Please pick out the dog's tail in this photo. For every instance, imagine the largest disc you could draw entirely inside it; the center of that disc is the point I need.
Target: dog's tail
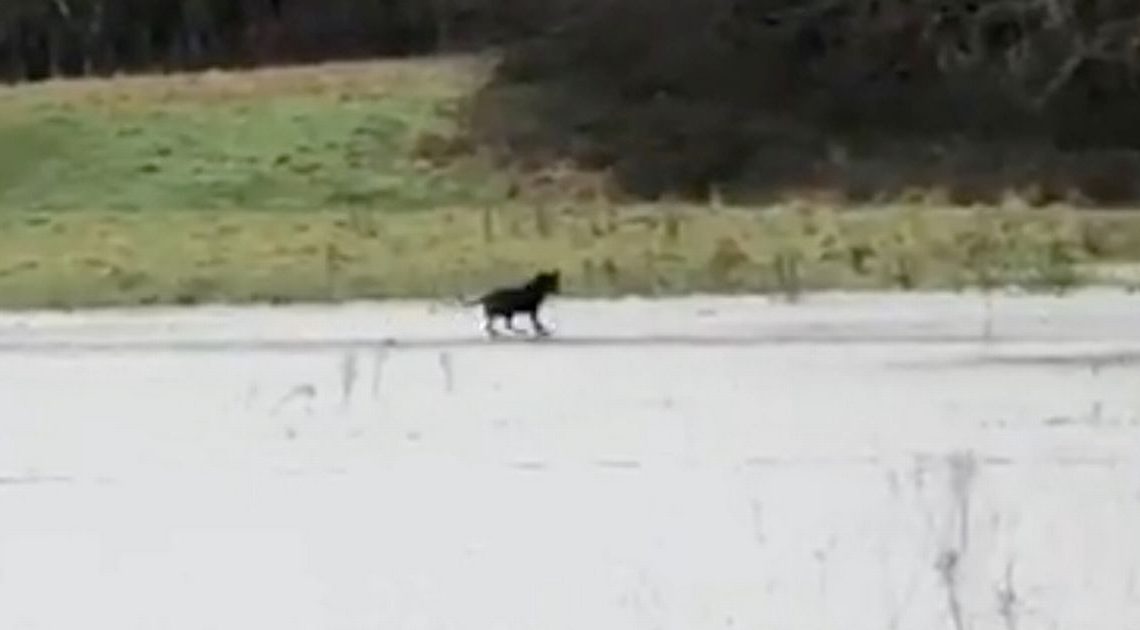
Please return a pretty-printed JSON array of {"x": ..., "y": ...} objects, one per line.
[{"x": 462, "y": 301}]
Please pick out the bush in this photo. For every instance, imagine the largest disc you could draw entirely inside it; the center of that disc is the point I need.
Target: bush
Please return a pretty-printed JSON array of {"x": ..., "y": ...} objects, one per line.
[{"x": 868, "y": 97}]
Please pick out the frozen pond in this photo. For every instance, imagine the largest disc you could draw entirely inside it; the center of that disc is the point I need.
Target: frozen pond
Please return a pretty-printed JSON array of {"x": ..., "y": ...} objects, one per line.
[{"x": 857, "y": 462}]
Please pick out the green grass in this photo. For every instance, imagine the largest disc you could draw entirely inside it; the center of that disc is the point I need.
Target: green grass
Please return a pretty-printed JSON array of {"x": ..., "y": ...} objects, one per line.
[
  {"x": 299, "y": 139},
  {"x": 343, "y": 181},
  {"x": 126, "y": 258}
]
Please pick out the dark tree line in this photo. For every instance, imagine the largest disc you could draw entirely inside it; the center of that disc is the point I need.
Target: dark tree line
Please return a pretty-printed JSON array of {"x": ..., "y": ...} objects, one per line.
[
  {"x": 46, "y": 38},
  {"x": 685, "y": 95}
]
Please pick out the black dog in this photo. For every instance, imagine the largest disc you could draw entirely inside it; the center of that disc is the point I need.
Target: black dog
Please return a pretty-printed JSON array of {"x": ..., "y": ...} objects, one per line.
[{"x": 508, "y": 301}]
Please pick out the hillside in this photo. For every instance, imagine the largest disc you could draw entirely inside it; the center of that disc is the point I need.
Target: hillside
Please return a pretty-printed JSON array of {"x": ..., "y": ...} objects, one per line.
[
  {"x": 286, "y": 139},
  {"x": 355, "y": 180}
]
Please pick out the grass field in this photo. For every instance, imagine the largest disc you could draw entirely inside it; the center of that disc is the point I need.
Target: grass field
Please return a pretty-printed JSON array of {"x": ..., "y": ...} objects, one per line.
[
  {"x": 100, "y": 258},
  {"x": 324, "y": 183},
  {"x": 295, "y": 139}
]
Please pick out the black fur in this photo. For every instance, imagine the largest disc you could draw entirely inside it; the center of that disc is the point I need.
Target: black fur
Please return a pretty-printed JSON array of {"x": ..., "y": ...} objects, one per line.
[{"x": 506, "y": 302}]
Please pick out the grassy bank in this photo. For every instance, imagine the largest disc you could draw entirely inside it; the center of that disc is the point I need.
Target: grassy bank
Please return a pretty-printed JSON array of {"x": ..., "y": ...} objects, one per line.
[
  {"x": 346, "y": 135},
  {"x": 126, "y": 258},
  {"x": 342, "y": 181}
]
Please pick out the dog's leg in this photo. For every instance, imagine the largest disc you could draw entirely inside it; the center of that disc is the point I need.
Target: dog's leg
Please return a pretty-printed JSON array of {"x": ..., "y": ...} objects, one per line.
[
  {"x": 489, "y": 326},
  {"x": 539, "y": 329},
  {"x": 511, "y": 325}
]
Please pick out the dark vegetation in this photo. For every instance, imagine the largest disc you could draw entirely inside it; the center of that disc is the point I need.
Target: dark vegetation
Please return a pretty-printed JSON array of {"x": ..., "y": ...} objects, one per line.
[
  {"x": 50, "y": 38},
  {"x": 742, "y": 99},
  {"x": 753, "y": 99}
]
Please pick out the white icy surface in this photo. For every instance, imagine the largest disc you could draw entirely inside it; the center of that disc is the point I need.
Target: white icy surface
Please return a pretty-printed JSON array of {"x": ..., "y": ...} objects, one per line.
[{"x": 851, "y": 462}]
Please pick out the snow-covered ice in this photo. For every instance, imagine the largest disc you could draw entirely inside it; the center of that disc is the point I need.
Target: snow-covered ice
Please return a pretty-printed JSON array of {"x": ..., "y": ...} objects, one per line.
[{"x": 857, "y": 462}]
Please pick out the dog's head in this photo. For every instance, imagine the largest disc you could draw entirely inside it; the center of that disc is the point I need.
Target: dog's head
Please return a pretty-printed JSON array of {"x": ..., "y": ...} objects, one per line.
[{"x": 548, "y": 281}]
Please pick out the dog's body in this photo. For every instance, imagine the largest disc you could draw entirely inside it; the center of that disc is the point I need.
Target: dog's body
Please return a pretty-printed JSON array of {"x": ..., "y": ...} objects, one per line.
[{"x": 507, "y": 302}]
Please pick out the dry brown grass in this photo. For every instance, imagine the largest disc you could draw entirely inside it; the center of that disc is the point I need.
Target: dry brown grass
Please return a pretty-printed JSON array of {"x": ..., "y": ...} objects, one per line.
[
  {"x": 441, "y": 77},
  {"x": 106, "y": 258}
]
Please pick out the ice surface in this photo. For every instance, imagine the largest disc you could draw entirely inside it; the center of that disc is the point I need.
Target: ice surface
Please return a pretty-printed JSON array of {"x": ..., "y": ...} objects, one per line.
[{"x": 852, "y": 462}]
